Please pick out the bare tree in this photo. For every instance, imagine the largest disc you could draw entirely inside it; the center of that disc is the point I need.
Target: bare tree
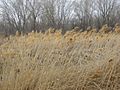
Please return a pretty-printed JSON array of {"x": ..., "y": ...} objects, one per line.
[
  {"x": 16, "y": 14},
  {"x": 84, "y": 11},
  {"x": 64, "y": 13},
  {"x": 28, "y": 15},
  {"x": 34, "y": 6},
  {"x": 105, "y": 8}
]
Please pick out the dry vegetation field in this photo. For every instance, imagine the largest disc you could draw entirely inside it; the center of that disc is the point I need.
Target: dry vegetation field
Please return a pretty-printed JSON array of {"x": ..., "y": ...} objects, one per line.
[{"x": 52, "y": 61}]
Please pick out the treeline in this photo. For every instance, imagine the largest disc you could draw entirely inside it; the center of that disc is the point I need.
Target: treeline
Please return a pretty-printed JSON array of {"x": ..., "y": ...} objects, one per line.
[{"x": 28, "y": 15}]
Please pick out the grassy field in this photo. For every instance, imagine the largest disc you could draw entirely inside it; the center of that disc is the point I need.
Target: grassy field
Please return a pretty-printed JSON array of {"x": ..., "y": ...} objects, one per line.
[{"x": 52, "y": 61}]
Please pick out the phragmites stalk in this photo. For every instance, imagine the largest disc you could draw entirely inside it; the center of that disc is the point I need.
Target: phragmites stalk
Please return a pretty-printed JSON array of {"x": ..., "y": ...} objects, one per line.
[{"x": 18, "y": 33}]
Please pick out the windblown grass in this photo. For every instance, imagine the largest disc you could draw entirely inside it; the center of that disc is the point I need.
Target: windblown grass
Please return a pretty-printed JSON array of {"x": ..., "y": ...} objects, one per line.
[{"x": 52, "y": 61}]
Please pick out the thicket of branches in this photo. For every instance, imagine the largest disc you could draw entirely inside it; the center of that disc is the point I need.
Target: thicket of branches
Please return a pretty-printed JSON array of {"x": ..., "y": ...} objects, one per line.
[{"x": 28, "y": 15}]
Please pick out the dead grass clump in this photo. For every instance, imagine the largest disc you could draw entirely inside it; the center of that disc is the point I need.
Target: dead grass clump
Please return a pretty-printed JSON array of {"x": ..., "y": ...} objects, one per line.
[
  {"x": 105, "y": 29},
  {"x": 69, "y": 33},
  {"x": 58, "y": 33},
  {"x": 94, "y": 30},
  {"x": 73, "y": 32},
  {"x": 117, "y": 28},
  {"x": 31, "y": 33},
  {"x": 50, "y": 31},
  {"x": 76, "y": 29},
  {"x": 71, "y": 36},
  {"x": 89, "y": 28}
]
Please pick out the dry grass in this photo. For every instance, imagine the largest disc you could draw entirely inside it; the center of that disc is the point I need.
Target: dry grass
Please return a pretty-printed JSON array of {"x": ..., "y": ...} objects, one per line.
[{"x": 52, "y": 61}]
